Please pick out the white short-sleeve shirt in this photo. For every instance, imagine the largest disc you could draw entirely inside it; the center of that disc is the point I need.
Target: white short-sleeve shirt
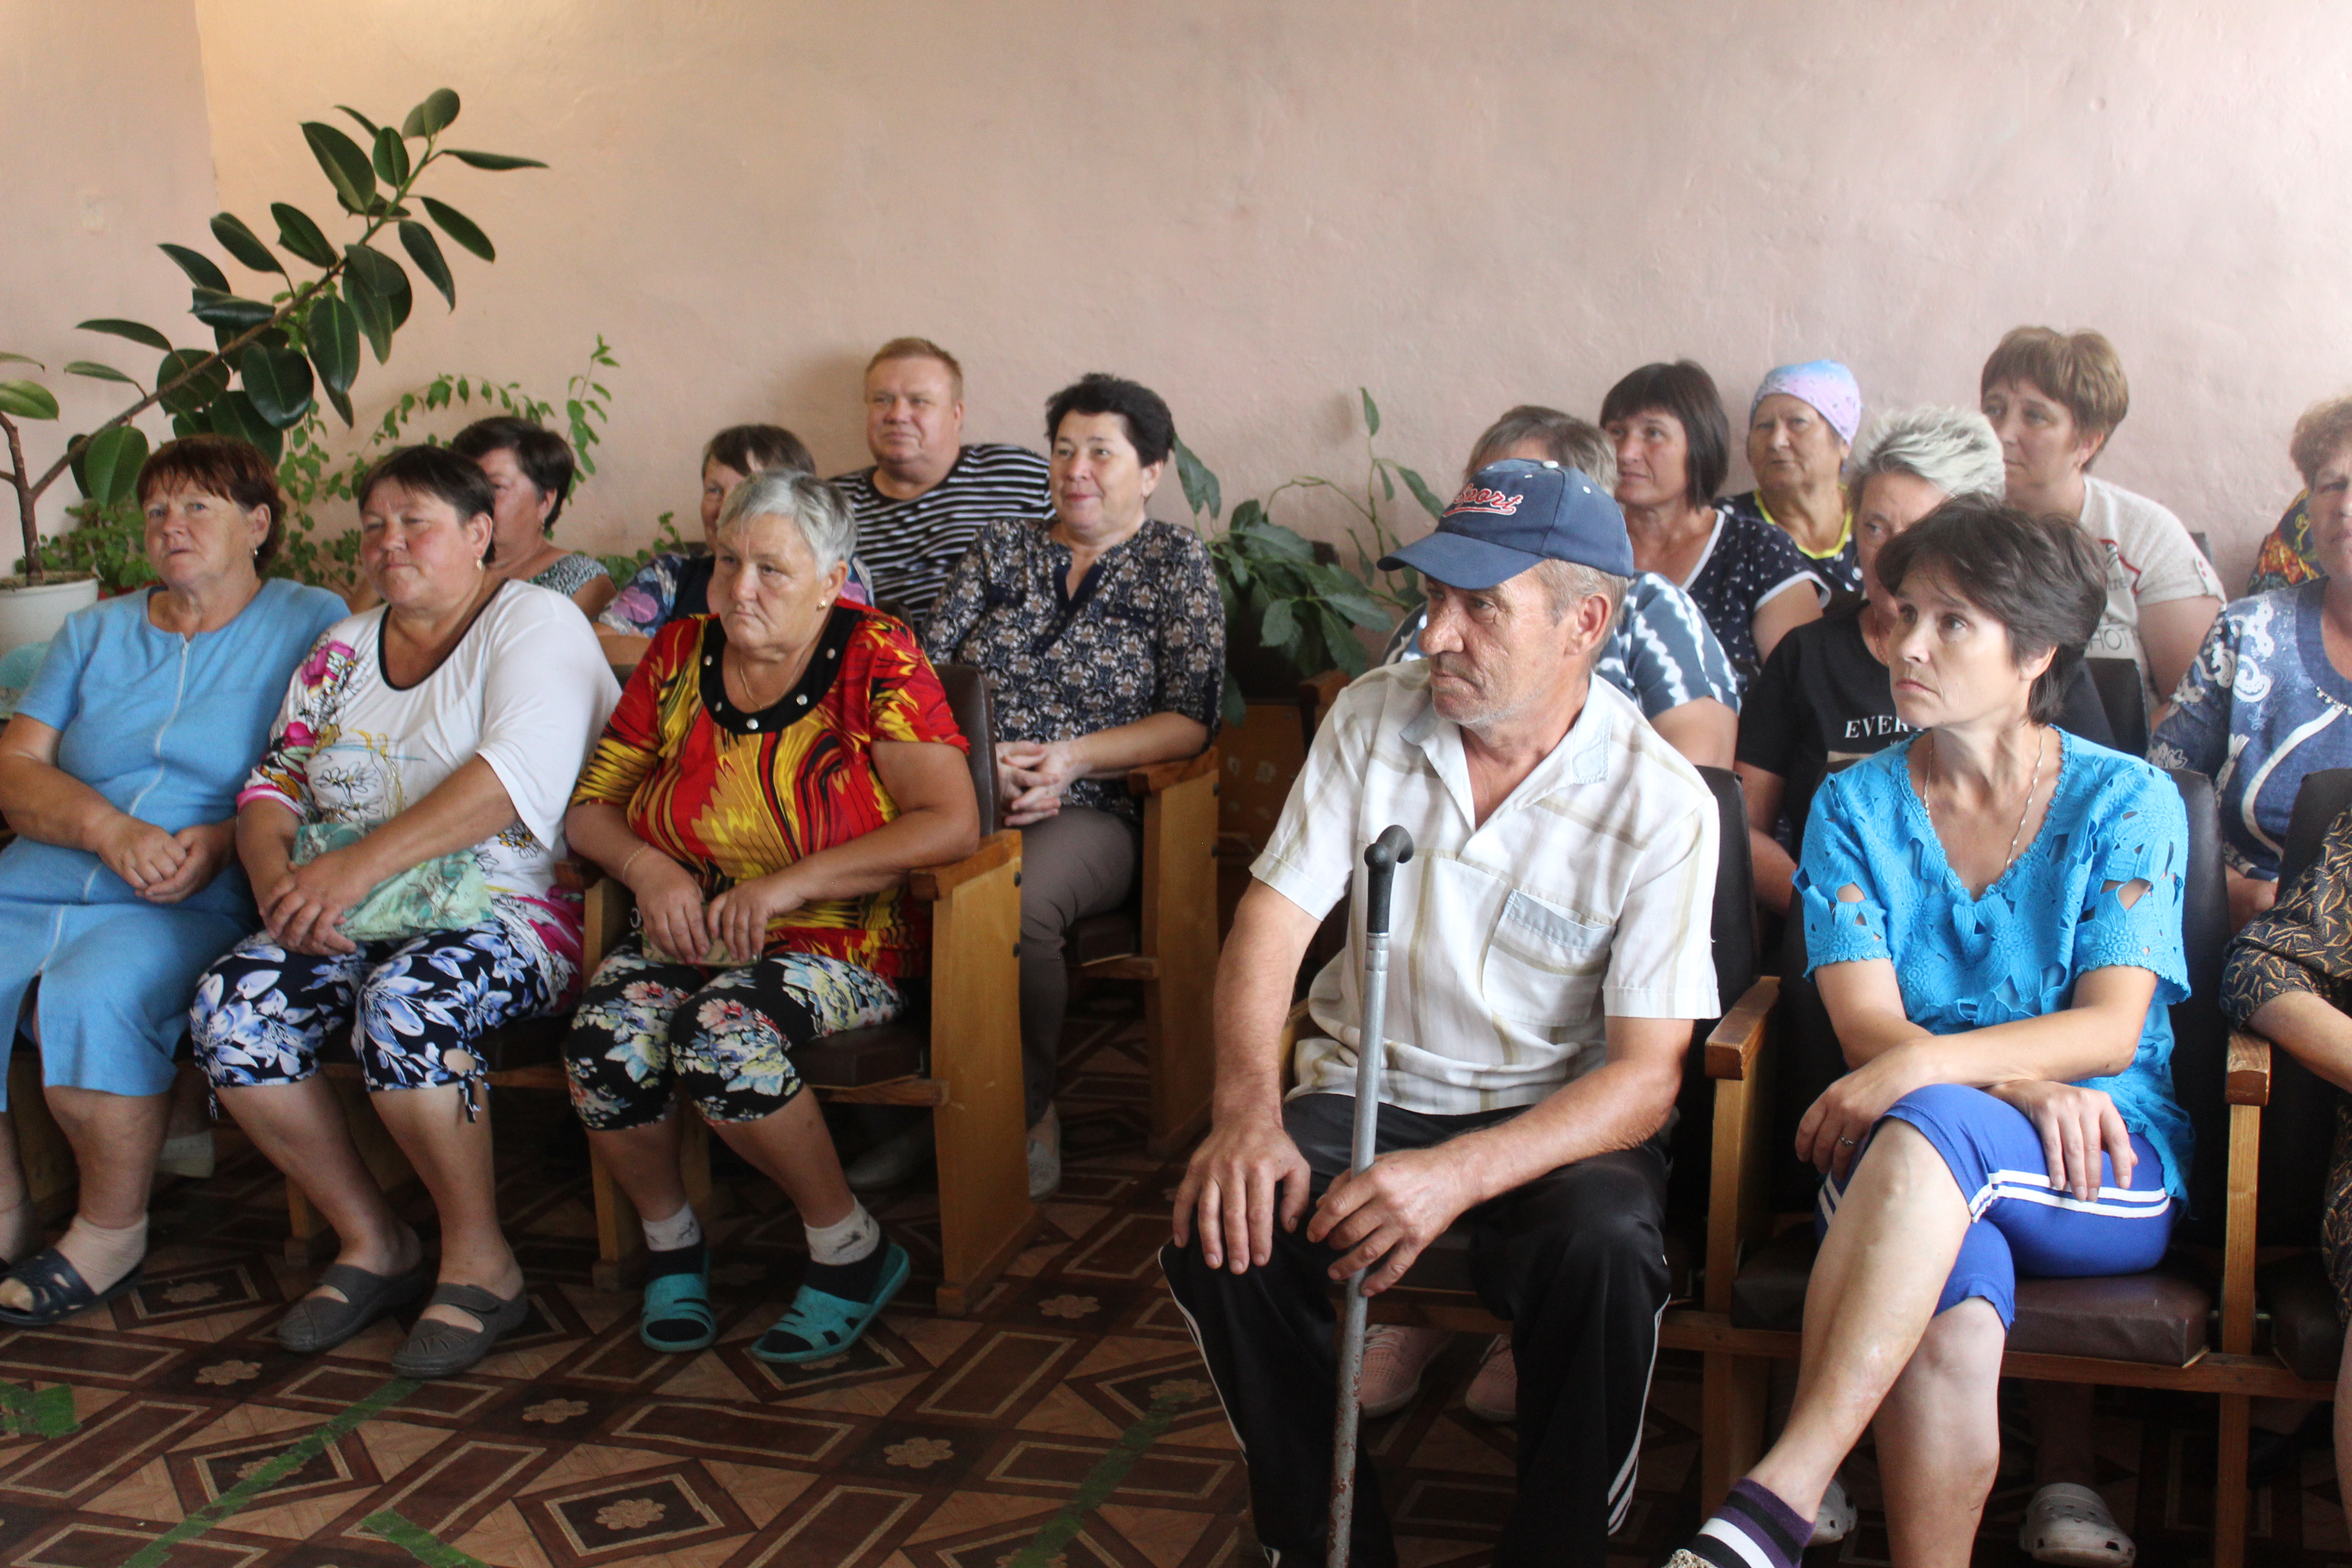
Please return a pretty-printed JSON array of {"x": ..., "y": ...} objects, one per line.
[
  {"x": 2151, "y": 560},
  {"x": 1586, "y": 894}
]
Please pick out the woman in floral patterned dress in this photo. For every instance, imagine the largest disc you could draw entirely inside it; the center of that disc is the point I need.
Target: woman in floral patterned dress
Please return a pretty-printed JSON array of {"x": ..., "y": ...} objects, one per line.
[
  {"x": 771, "y": 775},
  {"x": 1103, "y": 638},
  {"x": 433, "y": 739}
]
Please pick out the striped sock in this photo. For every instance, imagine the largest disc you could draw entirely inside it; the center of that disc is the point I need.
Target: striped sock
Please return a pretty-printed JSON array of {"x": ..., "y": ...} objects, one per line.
[{"x": 1753, "y": 1529}]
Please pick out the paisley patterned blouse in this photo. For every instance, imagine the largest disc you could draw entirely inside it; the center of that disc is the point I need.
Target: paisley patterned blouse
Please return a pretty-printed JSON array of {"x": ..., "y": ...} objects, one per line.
[
  {"x": 1144, "y": 634},
  {"x": 733, "y": 795}
]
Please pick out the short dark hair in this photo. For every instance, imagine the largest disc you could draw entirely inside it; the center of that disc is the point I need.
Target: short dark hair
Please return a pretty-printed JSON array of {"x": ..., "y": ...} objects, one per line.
[
  {"x": 221, "y": 466},
  {"x": 1685, "y": 391},
  {"x": 2078, "y": 370},
  {"x": 544, "y": 456},
  {"x": 756, "y": 449},
  {"x": 2041, "y": 577},
  {"x": 1150, "y": 429},
  {"x": 439, "y": 472}
]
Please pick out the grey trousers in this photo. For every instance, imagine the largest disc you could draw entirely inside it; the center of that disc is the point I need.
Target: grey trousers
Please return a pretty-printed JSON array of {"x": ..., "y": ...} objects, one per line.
[{"x": 1076, "y": 863}]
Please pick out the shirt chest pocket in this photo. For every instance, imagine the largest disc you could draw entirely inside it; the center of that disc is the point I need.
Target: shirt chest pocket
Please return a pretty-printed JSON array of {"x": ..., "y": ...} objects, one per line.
[{"x": 1542, "y": 964}]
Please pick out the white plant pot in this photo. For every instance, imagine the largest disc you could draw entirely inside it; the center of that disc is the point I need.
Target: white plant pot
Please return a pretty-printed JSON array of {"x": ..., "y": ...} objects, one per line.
[{"x": 33, "y": 612}]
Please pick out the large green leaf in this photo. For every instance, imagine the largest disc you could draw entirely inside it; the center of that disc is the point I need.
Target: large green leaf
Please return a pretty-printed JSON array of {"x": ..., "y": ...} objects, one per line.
[
  {"x": 97, "y": 372},
  {"x": 298, "y": 234},
  {"x": 363, "y": 122},
  {"x": 1201, "y": 492},
  {"x": 425, "y": 251},
  {"x": 1280, "y": 628},
  {"x": 460, "y": 228},
  {"x": 347, "y": 168},
  {"x": 200, "y": 268},
  {"x": 137, "y": 331},
  {"x": 382, "y": 275},
  {"x": 494, "y": 160},
  {"x": 1273, "y": 541},
  {"x": 1371, "y": 412},
  {"x": 1247, "y": 514},
  {"x": 235, "y": 414},
  {"x": 433, "y": 116},
  {"x": 375, "y": 316},
  {"x": 334, "y": 330},
  {"x": 1346, "y": 649},
  {"x": 28, "y": 400},
  {"x": 1422, "y": 492},
  {"x": 391, "y": 157},
  {"x": 244, "y": 244},
  {"x": 109, "y": 464},
  {"x": 22, "y": 359},
  {"x": 343, "y": 402},
  {"x": 278, "y": 382},
  {"x": 1236, "y": 706},
  {"x": 198, "y": 393},
  {"x": 220, "y": 309}
]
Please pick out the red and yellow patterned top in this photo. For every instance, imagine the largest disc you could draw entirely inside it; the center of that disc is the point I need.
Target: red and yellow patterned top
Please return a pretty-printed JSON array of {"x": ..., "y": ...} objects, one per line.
[{"x": 733, "y": 795}]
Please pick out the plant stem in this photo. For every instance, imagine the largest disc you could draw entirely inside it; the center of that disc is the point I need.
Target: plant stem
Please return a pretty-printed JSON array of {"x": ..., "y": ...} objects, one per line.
[{"x": 25, "y": 498}]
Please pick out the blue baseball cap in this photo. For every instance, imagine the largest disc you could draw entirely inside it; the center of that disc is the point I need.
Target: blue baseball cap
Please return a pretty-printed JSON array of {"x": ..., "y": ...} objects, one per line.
[{"x": 1513, "y": 514}]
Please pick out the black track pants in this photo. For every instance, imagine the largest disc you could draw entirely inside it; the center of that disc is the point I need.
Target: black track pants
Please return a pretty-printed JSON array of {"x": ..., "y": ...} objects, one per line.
[{"x": 1574, "y": 1260}]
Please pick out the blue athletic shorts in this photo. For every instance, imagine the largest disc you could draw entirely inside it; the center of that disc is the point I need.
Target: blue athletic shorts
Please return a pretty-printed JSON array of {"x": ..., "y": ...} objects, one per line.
[{"x": 2022, "y": 1225}]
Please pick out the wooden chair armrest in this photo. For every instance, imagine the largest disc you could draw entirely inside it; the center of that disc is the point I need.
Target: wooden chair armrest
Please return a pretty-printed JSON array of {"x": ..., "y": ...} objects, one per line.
[
  {"x": 1161, "y": 776},
  {"x": 2249, "y": 1078},
  {"x": 577, "y": 873},
  {"x": 932, "y": 883},
  {"x": 1738, "y": 1035}
]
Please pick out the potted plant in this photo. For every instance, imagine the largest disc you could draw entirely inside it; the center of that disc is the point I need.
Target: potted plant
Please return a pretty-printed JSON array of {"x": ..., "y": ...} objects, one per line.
[{"x": 271, "y": 358}]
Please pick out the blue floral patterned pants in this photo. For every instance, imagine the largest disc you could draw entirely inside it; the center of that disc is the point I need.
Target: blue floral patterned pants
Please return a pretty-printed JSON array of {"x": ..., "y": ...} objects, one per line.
[
  {"x": 723, "y": 1040},
  {"x": 261, "y": 1013}
]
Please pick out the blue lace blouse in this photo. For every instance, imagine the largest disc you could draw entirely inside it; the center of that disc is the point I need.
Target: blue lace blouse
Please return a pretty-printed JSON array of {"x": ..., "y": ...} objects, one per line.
[{"x": 2015, "y": 952}]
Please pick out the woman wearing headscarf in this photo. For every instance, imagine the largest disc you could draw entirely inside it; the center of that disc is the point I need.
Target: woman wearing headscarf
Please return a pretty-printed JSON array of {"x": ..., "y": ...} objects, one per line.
[{"x": 1801, "y": 427}]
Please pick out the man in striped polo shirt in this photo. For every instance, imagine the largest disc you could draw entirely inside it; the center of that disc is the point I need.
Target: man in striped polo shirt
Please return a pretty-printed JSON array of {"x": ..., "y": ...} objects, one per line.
[
  {"x": 1550, "y": 951},
  {"x": 928, "y": 495}
]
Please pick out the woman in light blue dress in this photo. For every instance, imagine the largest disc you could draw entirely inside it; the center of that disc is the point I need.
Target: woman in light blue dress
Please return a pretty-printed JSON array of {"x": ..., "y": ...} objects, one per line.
[{"x": 119, "y": 773}]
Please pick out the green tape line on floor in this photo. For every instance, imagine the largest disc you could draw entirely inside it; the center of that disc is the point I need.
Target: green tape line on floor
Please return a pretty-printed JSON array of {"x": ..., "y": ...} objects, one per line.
[
  {"x": 271, "y": 1472},
  {"x": 38, "y": 1412},
  {"x": 1109, "y": 1470},
  {"x": 417, "y": 1543}
]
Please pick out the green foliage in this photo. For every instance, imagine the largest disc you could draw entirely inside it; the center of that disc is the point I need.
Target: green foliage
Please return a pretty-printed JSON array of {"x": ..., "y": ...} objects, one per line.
[
  {"x": 321, "y": 484},
  {"x": 665, "y": 538},
  {"x": 256, "y": 380},
  {"x": 1306, "y": 611}
]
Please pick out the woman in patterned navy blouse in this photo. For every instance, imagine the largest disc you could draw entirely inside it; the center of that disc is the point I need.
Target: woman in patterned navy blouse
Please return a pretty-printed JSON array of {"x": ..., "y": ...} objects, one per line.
[
  {"x": 1104, "y": 642},
  {"x": 771, "y": 775}
]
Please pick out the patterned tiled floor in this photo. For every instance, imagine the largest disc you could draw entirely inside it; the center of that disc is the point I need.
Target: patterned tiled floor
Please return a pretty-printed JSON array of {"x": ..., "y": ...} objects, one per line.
[{"x": 1065, "y": 1424}]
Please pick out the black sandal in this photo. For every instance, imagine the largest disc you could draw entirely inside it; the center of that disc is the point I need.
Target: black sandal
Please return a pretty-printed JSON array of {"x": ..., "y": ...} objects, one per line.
[
  {"x": 59, "y": 1291},
  {"x": 317, "y": 1323}
]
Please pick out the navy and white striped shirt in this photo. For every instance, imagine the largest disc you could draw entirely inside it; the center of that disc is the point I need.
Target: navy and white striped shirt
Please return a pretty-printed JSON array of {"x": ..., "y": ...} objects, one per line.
[{"x": 911, "y": 546}]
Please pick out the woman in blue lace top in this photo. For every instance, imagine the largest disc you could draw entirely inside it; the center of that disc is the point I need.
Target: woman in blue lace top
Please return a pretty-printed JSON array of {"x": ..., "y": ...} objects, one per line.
[{"x": 1992, "y": 914}]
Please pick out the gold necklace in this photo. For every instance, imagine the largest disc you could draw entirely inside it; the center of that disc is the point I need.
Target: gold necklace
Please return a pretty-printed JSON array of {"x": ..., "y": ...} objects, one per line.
[{"x": 2041, "y": 746}]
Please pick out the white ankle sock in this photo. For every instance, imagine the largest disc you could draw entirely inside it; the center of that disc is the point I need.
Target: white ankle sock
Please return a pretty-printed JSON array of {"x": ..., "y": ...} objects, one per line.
[
  {"x": 680, "y": 1230},
  {"x": 852, "y": 1238},
  {"x": 103, "y": 1255}
]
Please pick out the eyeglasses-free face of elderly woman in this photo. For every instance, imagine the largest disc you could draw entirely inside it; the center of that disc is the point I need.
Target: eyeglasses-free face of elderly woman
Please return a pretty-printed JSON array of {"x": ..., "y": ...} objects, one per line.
[
  {"x": 119, "y": 773},
  {"x": 766, "y": 830}
]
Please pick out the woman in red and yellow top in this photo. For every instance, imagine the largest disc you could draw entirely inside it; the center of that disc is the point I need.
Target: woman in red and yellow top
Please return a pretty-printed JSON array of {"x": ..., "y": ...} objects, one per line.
[{"x": 771, "y": 775}]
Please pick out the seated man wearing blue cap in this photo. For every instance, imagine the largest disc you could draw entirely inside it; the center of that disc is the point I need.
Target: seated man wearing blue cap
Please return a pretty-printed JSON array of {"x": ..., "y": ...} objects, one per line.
[{"x": 1552, "y": 945}]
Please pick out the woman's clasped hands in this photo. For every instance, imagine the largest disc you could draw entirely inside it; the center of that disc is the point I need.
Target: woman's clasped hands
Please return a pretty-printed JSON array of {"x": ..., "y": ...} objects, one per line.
[{"x": 679, "y": 923}]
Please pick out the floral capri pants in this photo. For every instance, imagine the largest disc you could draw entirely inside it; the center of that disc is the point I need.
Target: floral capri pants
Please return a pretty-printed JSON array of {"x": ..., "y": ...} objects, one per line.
[
  {"x": 724, "y": 1039},
  {"x": 261, "y": 1013}
]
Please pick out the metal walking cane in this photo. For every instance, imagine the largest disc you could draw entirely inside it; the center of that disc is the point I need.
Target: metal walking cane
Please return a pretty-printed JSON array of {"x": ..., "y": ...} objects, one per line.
[{"x": 1391, "y": 849}]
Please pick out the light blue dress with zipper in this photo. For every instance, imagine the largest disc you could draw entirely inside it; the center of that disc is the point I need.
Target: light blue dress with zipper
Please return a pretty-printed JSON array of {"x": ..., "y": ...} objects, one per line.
[{"x": 165, "y": 728}]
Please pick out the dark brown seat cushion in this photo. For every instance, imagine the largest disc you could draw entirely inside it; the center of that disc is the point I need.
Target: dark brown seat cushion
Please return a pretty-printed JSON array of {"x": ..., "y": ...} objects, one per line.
[
  {"x": 1112, "y": 935},
  {"x": 2305, "y": 1331},
  {"x": 2158, "y": 1318},
  {"x": 855, "y": 1058}
]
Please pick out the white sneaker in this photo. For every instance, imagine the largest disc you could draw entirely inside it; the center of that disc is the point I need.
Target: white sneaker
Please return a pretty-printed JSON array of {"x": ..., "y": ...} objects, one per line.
[
  {"x": 2070, "y": 1524},
  {"x": 189, "y": 1154},
  {"x": 1045, "y": 1156},
  {"x": 1834, "y": 1521},
  {"x": 1395, "y": 1355},
  {"x": 1494, "y": 1394}
]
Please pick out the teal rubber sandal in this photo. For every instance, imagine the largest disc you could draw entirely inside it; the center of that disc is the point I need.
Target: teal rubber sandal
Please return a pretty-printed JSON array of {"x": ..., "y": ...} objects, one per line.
[
  {"x": 821, "y": 1324},
  {"x": 675, "y": 1316}
]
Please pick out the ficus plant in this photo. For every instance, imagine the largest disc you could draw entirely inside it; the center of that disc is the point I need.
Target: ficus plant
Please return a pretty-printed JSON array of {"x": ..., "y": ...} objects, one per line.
[
  {"x": 1303, "y": 609},
  {"x": 271, "y": 359}
]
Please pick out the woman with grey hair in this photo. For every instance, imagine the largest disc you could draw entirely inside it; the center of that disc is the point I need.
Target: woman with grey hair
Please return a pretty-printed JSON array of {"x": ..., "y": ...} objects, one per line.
[
  {"x": 772, "y": 773},
  {"x": 1824, "y": 699}
]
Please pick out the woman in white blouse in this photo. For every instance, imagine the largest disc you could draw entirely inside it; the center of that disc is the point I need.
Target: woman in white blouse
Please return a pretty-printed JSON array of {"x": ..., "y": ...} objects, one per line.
[{"x": 400, "y": 833}]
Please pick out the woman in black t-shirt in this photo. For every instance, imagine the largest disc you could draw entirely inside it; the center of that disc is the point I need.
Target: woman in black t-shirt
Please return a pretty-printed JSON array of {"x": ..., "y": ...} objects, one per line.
[{"x": 1823, "y": 698}]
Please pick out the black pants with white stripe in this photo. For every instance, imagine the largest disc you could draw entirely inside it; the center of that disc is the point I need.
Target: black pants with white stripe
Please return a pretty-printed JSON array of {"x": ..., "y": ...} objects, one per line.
[{"x": 1574, "y": 1260}]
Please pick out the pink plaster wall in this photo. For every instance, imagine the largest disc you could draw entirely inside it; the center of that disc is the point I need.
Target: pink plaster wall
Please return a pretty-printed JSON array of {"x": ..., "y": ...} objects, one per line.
[
  {"x": 1257, "y": 206},
  {"x": 107, "y": 151}
]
